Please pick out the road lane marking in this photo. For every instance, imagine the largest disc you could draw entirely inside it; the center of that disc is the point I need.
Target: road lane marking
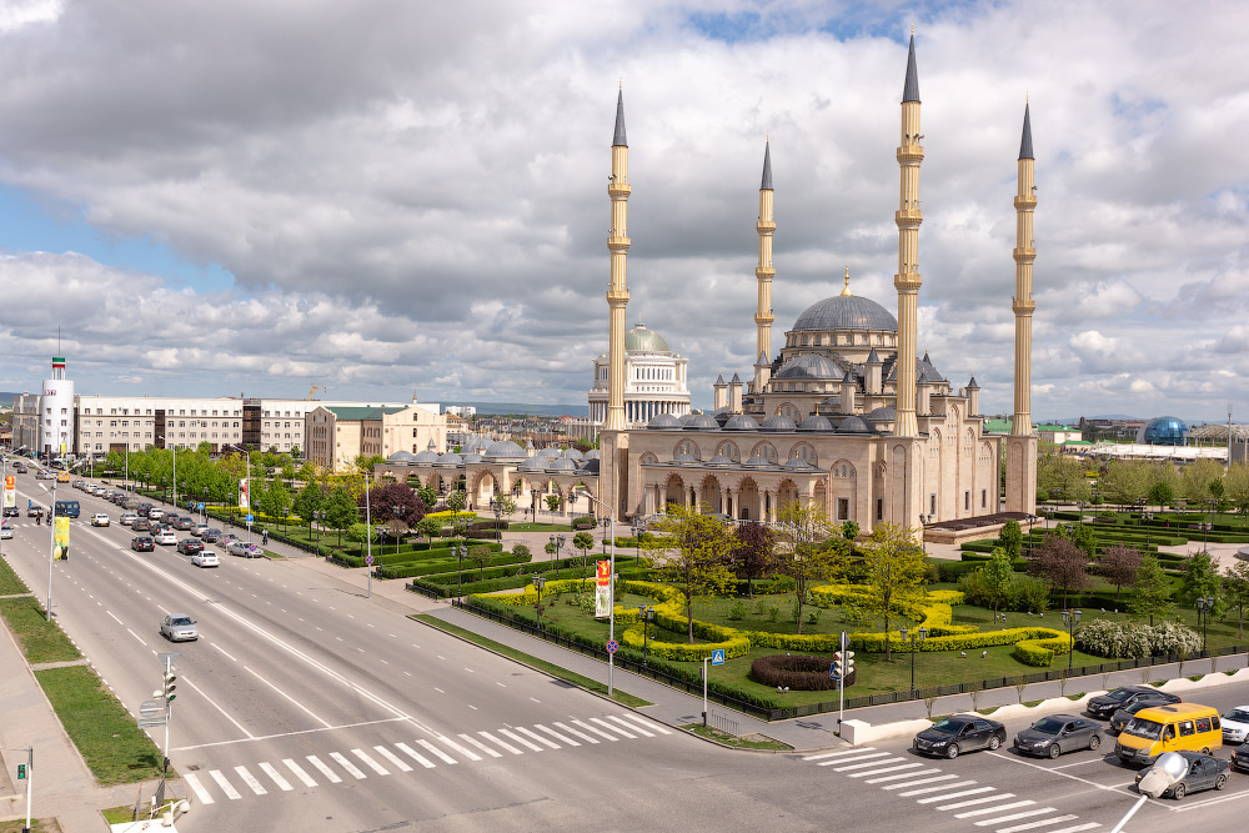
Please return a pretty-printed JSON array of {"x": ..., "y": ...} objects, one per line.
[
  {"x": 647, "y": 723},
  {"x": 299, "y": 772},
  {"x": 1080, "y": 828},
  {"x": 595, "y": 730},
  {"x": 1032, "y": 825},
  {"x": 414, "y": 755},
  {"x": 369, "y": 762},
  {"x": 972, "y": 802},
  {"x": 218, "y": 707},
  {"x": 531, "y": 733},
  {"x": 439, "y": 690},
  {"x": 526, "y": 743},
  {"x": 250, "y": 781},
  {"x": 600, "y": 721},
  {"x": 1013, "y": 816},
  {"x": 467, "y": 738},
  {"x": 283, "y": 784},
  {"x": 1015, "y": 760},
  {"x": 436, "y": 752},
  {"x": 842, "y": 754},
  {"x": 226, "y": 653},
  {"x": 202, "y": 795},
  {"x": 986, "y": 811},
  {"x": 226, "y": 786},
  {"x": 325, "y": 770},
  {"x": 115, "y": 619},
  {"x": 556, "y": 735},
  {"x": 504, "y": 745},
  {"x": 910, "y": 779},
  {"x": 136, "y": 636},
  {"x": 467, "y": 753},
  {"x": 307, "y": 710},
  {"x": 932, "y": 799},
  {"x": 923, "y": 790},
  {"x": 878, "y": 771},
  {"x": 288, "y": 734},
  {"x": 860, "y": 763},
  {"x": 617, "y": 719},
  {"x": 576, "y": 732},
  {"x": 394, "y": 759},
  {"x": 352, "y": 769}
]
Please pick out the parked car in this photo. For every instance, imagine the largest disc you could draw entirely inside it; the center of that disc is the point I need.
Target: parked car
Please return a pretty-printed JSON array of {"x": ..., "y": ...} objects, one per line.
[
  {"x": 166, "y": 537},
  {"x": 1205, "y": 772},
  {"x": 142, "y": 509},
  {"x": 211, "y": 535},
  {"x": 141, "y": 524},
  {"x": 197, "y": 529},
  {"x": 1052, "y": 736},
  {"x": 127, "y": 518},
  {"x": 1123, "y": 716},
  {"x": 6, "y": 532},
  {"x": 142, "y": 543},
  {"x": 1105, "y": 705},
  {"x": 1236, "y": 725},
  {"x": 246, "y": 549},
  {"x": 205, "y": 558},
  {"x": 227, "y": 538},
  {"x": 1240, "y": 758},
  {"x": 952, "y": 736},
  {"x": 178, "y": 627},
  {"x": 12, "y": 512},
  {"x": 100, "y": 519},
  {"x": 190, "y": 546}
]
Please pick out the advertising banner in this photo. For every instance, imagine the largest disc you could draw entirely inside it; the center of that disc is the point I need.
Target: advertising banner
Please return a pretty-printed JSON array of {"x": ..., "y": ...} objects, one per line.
[
  {"x": 10, "y": 491},
  {"x": 245, "y": 498},
  {"x": 60, "y": 538},
  {"x": 602, "y": 590}
]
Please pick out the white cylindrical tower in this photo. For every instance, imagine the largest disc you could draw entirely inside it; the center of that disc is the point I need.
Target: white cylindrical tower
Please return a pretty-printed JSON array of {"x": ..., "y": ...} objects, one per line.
[
  {"x": 56, "y": 412},
  {"x": 908, "y": 218},
  {"x": 618, "y": 289}
]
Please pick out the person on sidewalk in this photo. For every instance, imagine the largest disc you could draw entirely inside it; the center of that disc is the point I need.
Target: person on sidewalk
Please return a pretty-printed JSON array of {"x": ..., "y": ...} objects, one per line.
[{"x": 264, "y": 537}]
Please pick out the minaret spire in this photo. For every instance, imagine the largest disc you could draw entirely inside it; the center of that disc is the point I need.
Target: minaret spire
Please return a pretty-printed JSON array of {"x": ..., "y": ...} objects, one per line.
[
  {"x": 908, "y": 218},
  {"x": 1022, "y": 444},
  {"x": 764, "y": 272},
  {"x": 618, "y": 290}
]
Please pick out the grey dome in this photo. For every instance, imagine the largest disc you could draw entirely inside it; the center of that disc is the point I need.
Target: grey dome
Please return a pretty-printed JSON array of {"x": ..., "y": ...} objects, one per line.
[
  {"x": 778, "y": 423},
  {"x": 846, "y": 312},
  {"x": 685, "y": 458},
  {"x": 561, "y": 464},
  {"x": 741, "y": 422},
  {"x": 685, "y": 419},
  {"x": 701, "y": 422},
  {"x": 426, "y": 456},
  {"x": 809, "y": 366},
  {"x": 504, "y": 448},
  {"x": 573, "y": 454},
  {"x": 664, "y": 421},
  {"x": 815, "y": 422},
  {"x": 449, "y": 459},
  {"x": 882, "y": 414},
  {"x": 853, "y": 425},
  {"x": 757, "y": 462},
  {"x": 592, "y": 454},
  {"x": 798, "y": 464},
  {"x": 547, "y": 453},
  {"x": 401, "y": 457},
  {"x": 474, "y": 458},
  {"x": 720, "y": 460},
  {"x": 532, "y": 464},
  {"x": 643, "y": 340}
]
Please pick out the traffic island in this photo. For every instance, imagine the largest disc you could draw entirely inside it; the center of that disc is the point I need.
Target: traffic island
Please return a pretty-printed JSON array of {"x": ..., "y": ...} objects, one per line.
[{"x": 758, "y": 743}]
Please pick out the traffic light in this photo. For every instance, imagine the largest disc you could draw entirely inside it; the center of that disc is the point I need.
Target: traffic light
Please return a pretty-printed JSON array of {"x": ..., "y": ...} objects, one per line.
[
  {"x": 848, "y": 664},
  {"x": 838, "y": 662},
  {"x": 21, "y": 772},
  {"x": 168, "y": 691}
]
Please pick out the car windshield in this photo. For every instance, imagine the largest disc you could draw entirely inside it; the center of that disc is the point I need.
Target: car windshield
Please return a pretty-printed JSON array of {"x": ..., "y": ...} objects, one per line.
[
  {"x": 1239, "y": 715},
  {"x": 947, "y": 726},
  {"x": 1050, "y": 725},
  {"x": 178, "y": 621},
  {"x": 1119, "y": 694},
  {"x": 1141, "y": 728}
]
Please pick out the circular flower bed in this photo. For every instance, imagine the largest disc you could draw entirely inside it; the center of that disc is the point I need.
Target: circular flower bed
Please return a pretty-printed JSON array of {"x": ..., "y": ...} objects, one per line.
[{"x": 798, "y": 673}]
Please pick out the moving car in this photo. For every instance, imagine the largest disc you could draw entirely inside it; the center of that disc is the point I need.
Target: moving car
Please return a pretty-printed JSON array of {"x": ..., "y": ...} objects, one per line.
[
  {"x": 142, "y": 509},
  {"x": 1240, "y": 758},
  {"x": 34, "y": 510},
  {"x": 62, "y": 477},
  {"x": 183, "y": 523},
  {"x": 142, "y": 543},
  {"x": 197, "y": 529},
  {"x": 190, "y": 546},
  {"x": 6, "y": 532},
  {"x": 205, "y": 558},
  {"x": 155, "y": 513},
  {"x": 211, "y": 535},
  {"x": 1105, "y": 705},
  {"x": 141, "y": 524},
  {"x": 44, "y": 474},
  {"x": 1177, "y": 727},
  {"x": 127, "y": 518},
  {"x": 68, "y": 508},
  {"x": 12, "y": 512},
  {"x": 1052, "y": 736},
  {"x": 1236, "y": 725},
  {"x": 178, "y": 627},
  {"x": 952, "y": 736},
  {"x": 99, "y": 519},
  {"x": 1124, "y": 715},
  {"x": 166, "y": 537},
  {"x": 1205, "y": 772},
  {"x": 246, "y": 549}
]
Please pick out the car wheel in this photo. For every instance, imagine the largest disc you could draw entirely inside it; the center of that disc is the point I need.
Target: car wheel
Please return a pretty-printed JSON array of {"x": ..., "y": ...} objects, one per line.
[
  {"x": 1094, "y": 742},
  {"x": 951, "y": 751},
  {"x": 1221, "y": 781},
  {"x": 994, "y": 742},
  {"x": 1179, "y": 791},
  {"x": 1053, "y": 750}
]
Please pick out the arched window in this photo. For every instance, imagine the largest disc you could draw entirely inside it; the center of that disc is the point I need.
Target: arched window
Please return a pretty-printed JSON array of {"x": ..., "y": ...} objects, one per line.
[
  {"x": 805, "y": 452},
  {"x": 765, "y": 450},
  {"x": 729, "y": 449}
]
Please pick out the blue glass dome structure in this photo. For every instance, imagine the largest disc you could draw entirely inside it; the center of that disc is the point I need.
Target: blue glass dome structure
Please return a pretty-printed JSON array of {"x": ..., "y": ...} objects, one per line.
[{"x": 1163, "y": 430}]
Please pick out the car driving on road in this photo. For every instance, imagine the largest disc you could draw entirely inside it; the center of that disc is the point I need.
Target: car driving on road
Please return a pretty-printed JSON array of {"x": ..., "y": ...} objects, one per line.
[
  {"x": 1236, "y": 725},
  {"x": 100, "y": 519},
  {"x": 211, "y": 535},
  {"x": 166, "y": 538},
  {"x": 142, "y": 543},
  {"x": 197, "y": 529},
  {"x": 1105, "y": 705},
  {"x": 127, "y": 518},
  {"x": 952, "y": 736},
  {"x": 190, "y": 546},
  {"x": 1124, "y": 716},
  {"x": 6, "y": 531},
  {"x": 178, "y": 627},
  {"x": 1205, "y": 772},
  {"x": 1052, "y": 736},
  {"x": 246, "y": 549},
  {"x": 205, "y": 558}
]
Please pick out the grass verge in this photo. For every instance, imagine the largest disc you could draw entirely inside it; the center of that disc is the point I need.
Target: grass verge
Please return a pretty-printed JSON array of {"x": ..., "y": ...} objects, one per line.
[
  {"x": 115, "y": 749},
  {"x": 273, "y": 556},
  {"x": 527, "y": 659},
  {"x": 121, "y": 814},
  {"x": 750, "y": 742},
  {"x": 10, "y": 584},
  {"x": 41, "y": 640},
  {"x": 36, "y": 826}
]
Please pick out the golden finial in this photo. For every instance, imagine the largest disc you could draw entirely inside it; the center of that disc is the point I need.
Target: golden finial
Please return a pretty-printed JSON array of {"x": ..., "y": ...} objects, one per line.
[
  {"x": 912, "y": 29},
  {"x": 845, "y": 289}
]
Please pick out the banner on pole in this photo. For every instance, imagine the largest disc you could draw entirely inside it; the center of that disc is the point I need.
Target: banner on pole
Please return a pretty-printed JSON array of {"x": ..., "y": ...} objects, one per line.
[
  {"x": 10, "y": 491},
  {"x": 60, "y": 537},
  {"x": 602, "y": 590},
  {"x": 245, "y": 498}
]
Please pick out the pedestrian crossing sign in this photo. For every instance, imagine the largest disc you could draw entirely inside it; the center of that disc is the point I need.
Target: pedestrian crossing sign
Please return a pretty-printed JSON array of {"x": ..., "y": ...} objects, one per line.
[{"x": 717, "y": 656}]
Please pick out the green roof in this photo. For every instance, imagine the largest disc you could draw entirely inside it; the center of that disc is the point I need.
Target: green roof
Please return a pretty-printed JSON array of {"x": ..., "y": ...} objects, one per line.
[
  {"x": 354, "y": 413},
  {"x": 1077, "y": 442},
  {"x": 997, "y": 426},
  {"x": 1053, "y": 426}
]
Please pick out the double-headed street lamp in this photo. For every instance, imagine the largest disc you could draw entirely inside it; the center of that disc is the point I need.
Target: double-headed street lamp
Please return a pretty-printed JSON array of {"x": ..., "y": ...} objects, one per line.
[
  {"x": 611, "y": 590},
  {"x": 1205, "y": 609},
  {"x": 916, "y": 638},
  {"x": 1071, "y": 618},
  {"x": 647, "y": 614},
  {"x": 638, "y": 529},
  {"x": 538, "y": 583}
]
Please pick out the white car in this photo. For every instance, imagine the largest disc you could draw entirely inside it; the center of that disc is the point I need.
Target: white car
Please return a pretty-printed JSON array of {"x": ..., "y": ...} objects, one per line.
[
  {"x": 99, "y": 519},
  {"x": 127, "y": 518},
  {"x": 166, "y": 537},
  {"x": 1236, "y": 725},
  {"x": 6, "y": 532},
  {"x": 205, "y": 558},
  {"x": 155, "y": 514}
]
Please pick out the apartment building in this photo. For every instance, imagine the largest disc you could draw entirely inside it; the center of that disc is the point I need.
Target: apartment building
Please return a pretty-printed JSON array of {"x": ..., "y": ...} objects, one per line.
[{"x": 334, "y": 435}]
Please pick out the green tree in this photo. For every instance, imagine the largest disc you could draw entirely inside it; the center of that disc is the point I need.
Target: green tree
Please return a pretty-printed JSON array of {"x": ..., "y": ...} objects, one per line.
[
  {"x": 583, "y": 541},
  {"x": 1126, "y": 481},
  {"x": 850, "y": 530},
  {"x": 1151, "y": 592},
  {"x": 340, "y": 511},
  {"x": 428, "y": 496},
  {"x": 895, "y": 571},
  {"x": 1161, "y": 495},
  {"x": 1195, "y": 481},
  {"x": 755, "y": 555},
  {"x": 429, "y": 527},
  {"x": 1199, "y": 579},
  {"x": 996, "y": 579},
  {"x": 1062, "y": 478},
  {"x": 552, "y": 503},
  {"x": 806, "y": 550},
  {"x": 364, "y": 463},
  {"x": 457, "y": 501},
  {"x": 1236, "y": 592},
  {"x": 309, "y": 502},
  {"x": 1236, "y": 485},
  {"x": 693, "y": 554},
  {"x": 1011, "y": 539}
]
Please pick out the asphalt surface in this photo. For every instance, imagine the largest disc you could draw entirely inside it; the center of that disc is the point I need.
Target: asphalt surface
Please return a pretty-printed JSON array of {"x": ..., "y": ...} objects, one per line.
[{"x": 306, "y": 706}]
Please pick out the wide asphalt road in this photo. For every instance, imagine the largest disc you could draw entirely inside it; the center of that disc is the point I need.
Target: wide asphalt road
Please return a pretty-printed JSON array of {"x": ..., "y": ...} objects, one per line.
[{"x": 306, "y": 706}]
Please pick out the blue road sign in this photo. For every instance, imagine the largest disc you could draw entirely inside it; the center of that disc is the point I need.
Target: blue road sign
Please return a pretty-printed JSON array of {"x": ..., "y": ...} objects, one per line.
[
  {"x": 832, "y": 671},
  {"x": 717, "y": 656},
  {"x": 199, "y": 507},
  {"x": 250, "y": 518}
]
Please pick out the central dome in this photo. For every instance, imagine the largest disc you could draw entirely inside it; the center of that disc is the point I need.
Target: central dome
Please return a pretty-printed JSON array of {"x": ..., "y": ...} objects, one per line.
[
  {"x": 845, "y": 312},
  {"x": 642, "y": 340}
]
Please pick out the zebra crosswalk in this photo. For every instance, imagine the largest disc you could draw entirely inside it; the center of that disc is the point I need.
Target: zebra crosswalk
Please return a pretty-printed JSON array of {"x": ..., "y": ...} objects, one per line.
[
  {"x": 986, "y": 807},
  {"x": 358, "y": 763}
]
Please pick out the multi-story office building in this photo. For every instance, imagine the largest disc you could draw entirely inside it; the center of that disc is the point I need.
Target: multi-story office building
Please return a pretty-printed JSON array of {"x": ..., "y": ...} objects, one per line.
[{"x": 336, "y": 435}]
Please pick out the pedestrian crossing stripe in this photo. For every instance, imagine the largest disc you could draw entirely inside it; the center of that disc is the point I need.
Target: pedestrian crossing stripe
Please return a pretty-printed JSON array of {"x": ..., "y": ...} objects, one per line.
[{"x": 380, "y": 760}]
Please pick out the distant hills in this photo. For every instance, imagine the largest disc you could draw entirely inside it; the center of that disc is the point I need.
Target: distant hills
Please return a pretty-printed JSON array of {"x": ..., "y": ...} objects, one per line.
[
  {"x": 499, "y": 408},
  {"x": 6, "y": 398}
]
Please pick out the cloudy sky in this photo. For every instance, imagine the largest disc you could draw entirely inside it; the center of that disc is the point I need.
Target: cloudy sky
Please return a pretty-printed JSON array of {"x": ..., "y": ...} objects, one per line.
[{"x": 383, "y": 196}]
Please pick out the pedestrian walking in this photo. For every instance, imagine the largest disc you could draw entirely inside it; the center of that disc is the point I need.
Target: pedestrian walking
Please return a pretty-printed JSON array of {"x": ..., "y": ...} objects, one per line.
[{"x": 264, "y": 537}]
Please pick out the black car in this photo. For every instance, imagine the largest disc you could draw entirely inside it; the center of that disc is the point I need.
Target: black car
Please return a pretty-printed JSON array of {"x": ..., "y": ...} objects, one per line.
[
  {"x": 12, "y": 512},
  {"x": 211, "y": 535},
  {"x": 1105, "y": 705},
  {"x": 141, "y": 524},
  {"x": 190, "y": 546},
  {"x": 1121, "y": 717},
  {"x": 1205, "y": 772},
  {"x": 952, "y": 736},
  {"x": 1240, "y": 758},
  {"x": 142, "y": 543},
  {"x": 143, "y": 509},
  {"x": 1052, "y": 736}
]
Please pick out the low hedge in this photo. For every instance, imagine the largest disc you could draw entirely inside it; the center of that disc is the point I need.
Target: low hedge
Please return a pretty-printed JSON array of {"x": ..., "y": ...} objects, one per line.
[
  {"x": 797, "y": 673},
  {"x": 410, "y": 569}
]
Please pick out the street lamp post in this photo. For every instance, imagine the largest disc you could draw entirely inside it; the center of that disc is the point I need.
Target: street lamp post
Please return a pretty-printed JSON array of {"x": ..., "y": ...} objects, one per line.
[
  {"x": 1071, "y": 618},
  {"x": 604, "y": 522},
  {"x": 51, "y": 550},
  {"x": 538, "y": 583},
  {"x": 459, "y": 575},
  {"x": 611, "y": 593},
  {"x": 368, "y": 538},
  {"x": 647, "y": 614},
  {"x": 1205, "y": 607},
  {"x": 638, "y": 528},
  {"x": 916, "y": 638},
  {"x": 498, "y": 517}
]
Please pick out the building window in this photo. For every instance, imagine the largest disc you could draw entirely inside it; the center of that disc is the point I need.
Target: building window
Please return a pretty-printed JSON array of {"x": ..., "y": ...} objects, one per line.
[
  {"x": 843, "y": 508},
  {"x": 932, "y": 504},
  {"x": 984, "y": 498},
  {"x": 966, "y": 501}
]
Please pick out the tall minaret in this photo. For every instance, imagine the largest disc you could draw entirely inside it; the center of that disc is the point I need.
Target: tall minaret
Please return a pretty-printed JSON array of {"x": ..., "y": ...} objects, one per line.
[
  {"x": 618, "y": 292},
  {"x": 1021, "y": 447},
  {"x": 764, "y": 272},
  {"x": 908, "y": 218}
]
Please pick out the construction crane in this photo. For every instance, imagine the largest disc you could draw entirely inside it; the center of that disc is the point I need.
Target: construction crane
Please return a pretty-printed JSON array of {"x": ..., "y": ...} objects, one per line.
[{"x": 312, "y": 392}]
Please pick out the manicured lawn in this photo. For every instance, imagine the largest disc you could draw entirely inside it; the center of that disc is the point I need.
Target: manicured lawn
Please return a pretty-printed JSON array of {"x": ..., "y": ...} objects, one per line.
[
  {"x": 115, "y": 749},
  {"x": 540, "y": 527},
  {"x": 10, "y": 584},
  {"x": 41, "y": 640}
]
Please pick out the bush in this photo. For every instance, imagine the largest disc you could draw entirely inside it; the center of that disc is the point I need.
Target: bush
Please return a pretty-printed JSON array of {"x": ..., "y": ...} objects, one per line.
[
  {"x": 521, "y": 551},
  {"x": 1029, "y": 595},
  {"x": 584, "y": 522},
  {"x": 1107, "y": 638},
  {"x": 799, "y": 673},
  {"x": 1174, "y": 638}
]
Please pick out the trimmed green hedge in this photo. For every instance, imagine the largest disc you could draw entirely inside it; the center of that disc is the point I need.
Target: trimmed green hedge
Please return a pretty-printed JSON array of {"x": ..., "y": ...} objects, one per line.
[{"x": 409, "y": 569}]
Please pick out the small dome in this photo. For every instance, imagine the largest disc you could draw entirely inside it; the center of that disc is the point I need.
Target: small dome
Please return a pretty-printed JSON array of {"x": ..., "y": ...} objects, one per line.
[
  {"x": 701, "y": 422},
  {"x": 685, "y": 419},
  {"x": 798, "y": 464},
  {"x": 532, "y": 464},
  {"x": 846, "y": 312},
  {"x": 427, "y": 456},
  {"x": 757, "y": 462},
  {"x": 815, "y": 422},
  {"x": 853, "y": 425},
  {"x": 592, "y": 454},
  {"x": 882, "y": 414},
  {"x": 643, "y": 340},
  {"x": 685, "y": 459},
  {"x": 504, "y": 448},
  {"x": 663, "y": 421},
  {"x": 809, "y": 366},
  {"x": 720, "y": 460},
  {"x": 561, "y": 465},
  {"x": 573, "y": 454},
  {"x": 741, "y": 422},
  {"x": 449, "y": 459},
  {"x": 474, "y": 458},
  {"x": 778, "y": 423},
  {"x": 401, "y": 457}
]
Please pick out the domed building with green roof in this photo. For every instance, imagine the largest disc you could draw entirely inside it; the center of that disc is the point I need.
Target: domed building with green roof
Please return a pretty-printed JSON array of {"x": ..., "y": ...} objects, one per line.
[{"x": 655, "y": 380}]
